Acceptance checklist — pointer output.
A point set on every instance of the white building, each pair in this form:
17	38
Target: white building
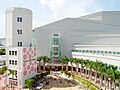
99	32
20	53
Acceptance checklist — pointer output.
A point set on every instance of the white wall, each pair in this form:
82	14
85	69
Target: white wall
12	37
77	31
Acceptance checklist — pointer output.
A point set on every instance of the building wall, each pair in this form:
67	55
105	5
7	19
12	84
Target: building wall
12	25
77	31
26	66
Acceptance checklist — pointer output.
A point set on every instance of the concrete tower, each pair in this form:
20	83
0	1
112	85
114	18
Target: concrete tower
21	54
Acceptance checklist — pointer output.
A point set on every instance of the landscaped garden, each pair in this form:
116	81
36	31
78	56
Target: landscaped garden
99	74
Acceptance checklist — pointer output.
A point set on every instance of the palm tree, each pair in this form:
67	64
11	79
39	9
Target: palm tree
29	83
87	65
1	71
104	69
114	75
39	59
13	73
77	62
62	62
71	62
96	66
66	60
45	60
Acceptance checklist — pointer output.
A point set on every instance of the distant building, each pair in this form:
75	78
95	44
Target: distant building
94	36
2	42
20	52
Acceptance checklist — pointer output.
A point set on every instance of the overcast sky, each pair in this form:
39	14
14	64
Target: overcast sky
46	11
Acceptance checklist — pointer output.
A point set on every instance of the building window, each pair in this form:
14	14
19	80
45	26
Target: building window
15	62
15	52
19	19
55	34
19	43
9	52
12	52
9	61
19	31
16	74
12	62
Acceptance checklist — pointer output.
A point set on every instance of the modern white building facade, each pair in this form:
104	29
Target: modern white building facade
97	34
20	52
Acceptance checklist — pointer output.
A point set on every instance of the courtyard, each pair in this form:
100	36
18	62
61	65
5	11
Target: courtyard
57	81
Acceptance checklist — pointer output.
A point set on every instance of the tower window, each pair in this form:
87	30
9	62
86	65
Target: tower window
9	61
19	19
19	43
12	52
19	31
15	62
12	62
9	52
15	52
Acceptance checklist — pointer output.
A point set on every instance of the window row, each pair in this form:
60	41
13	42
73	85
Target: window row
96	51
12	62
12	52
19	31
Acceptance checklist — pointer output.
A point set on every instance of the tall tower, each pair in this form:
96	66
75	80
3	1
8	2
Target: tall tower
20	53
55	49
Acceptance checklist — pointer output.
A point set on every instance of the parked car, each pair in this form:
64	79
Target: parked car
39	86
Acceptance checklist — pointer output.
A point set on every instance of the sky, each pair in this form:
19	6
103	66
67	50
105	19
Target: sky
47	11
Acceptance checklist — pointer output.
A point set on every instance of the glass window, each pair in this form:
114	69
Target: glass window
9	61
114	52
105	51
94	51
15	73
9	52
19	19
55	48
12	62
86	50
19	43
15	52
12	52
118	52
15	62
110	52
55	34
20	31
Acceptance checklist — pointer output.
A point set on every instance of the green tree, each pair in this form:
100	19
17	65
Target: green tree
29	83
13	73
65	61
39	60
2	51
